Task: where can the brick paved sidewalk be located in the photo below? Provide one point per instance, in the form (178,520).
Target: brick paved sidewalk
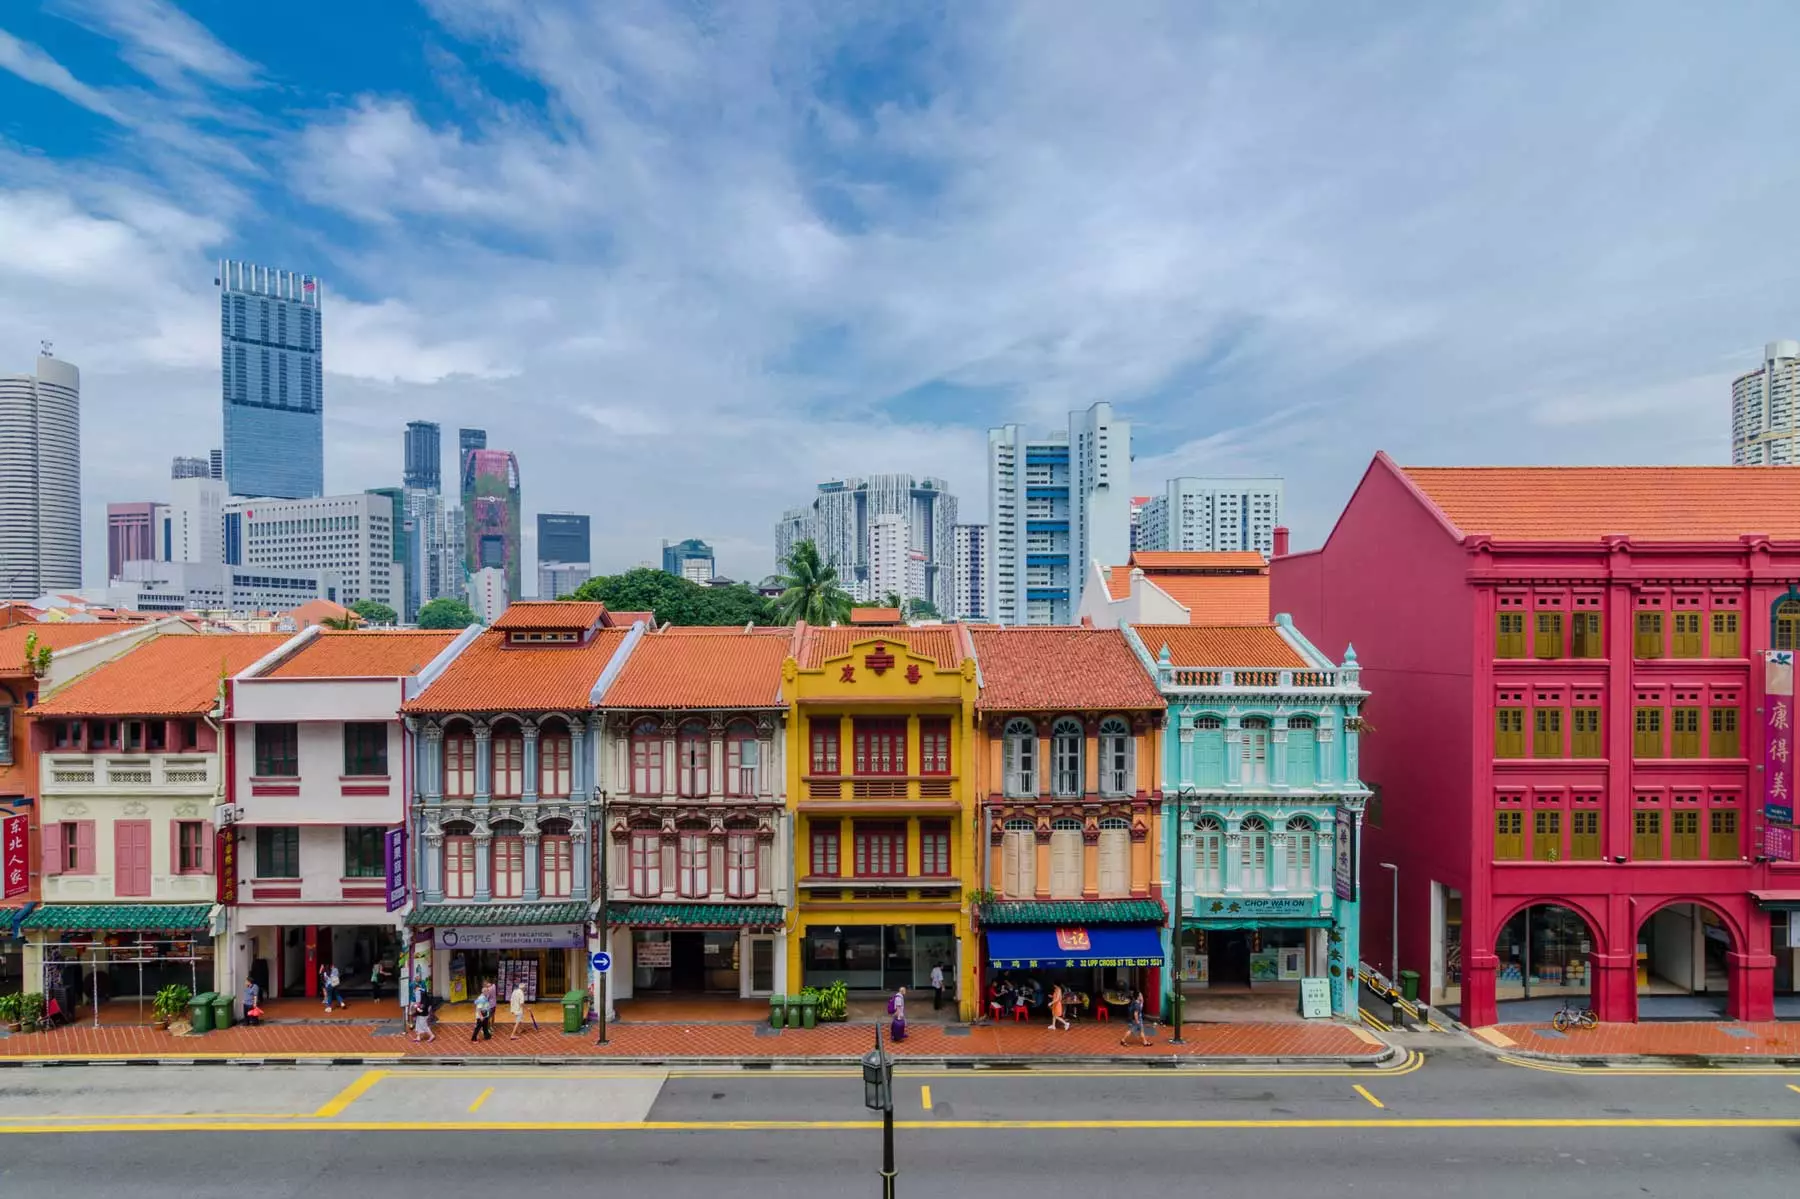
(710,1042)
(1657,1039)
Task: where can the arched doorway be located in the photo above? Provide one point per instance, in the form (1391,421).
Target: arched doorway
(1544,951)
(1682,967)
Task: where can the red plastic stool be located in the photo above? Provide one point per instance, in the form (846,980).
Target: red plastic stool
(994,1007)
(1101,1014)
(1018,1015)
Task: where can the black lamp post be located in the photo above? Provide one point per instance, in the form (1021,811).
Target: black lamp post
(878,1096)
(1176,999)
(599,826)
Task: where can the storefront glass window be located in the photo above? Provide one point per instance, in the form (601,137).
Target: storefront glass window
(1543,950)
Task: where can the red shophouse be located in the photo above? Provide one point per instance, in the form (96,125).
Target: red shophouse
(1567,674)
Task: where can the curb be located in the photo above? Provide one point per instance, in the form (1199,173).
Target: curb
(1690,1061)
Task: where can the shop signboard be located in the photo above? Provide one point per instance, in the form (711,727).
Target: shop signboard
(1315,998)
(226,857)
(1343,857)
(657,955)
(394,854)
(1778,843)
(1298,905)
(520,936)
(1778,736)
(15,871)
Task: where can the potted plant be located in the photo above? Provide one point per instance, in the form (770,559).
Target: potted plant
(31,1011)
(170,1003)
(12,1008)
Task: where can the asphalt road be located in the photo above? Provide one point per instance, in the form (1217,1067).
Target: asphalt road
(1460,1122)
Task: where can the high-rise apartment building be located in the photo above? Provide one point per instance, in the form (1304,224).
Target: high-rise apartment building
(487,594)
(1212,515)
(190,468)
(215,461)
(424,457)
(40,480)
(839,522)
(691,560)
(1137,514)
(1054,505)
(895,568)
(272,374)
(351,536)
(491,516)
(406,552)
(130,535)
(1765,409)
(564,553)
(971,602)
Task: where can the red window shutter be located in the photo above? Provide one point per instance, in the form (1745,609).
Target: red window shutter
(84,847)
(174,847)
(131,857)
(51,837)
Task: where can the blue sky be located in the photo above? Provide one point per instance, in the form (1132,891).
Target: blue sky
(687,258)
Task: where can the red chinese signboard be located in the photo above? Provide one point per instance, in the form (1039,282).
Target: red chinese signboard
(15,869)
(1072,939)
(227,858)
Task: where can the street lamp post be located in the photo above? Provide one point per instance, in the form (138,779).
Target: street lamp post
(1394,942)
(1176,999)
(878,1095)
(605,933)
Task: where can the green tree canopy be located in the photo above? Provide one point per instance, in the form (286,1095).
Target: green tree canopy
(375,612)
(676,600)
(810,589)
(921,609)
(445,613)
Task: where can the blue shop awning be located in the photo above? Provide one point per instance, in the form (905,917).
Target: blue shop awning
(1025,948)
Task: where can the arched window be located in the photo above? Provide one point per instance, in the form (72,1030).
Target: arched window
(1116,775)
(509,761)
(742,761)
(693,861)
(1065,859)
(1209,856)
(1300,833)
(740,864)
(459,762)
(1787,624)
(507,859)
(459,860)
(556,859)
(1065,758)
(693,756)
(646,758)
(1254,853)
(1302,745)
(1115,857)
(1254,750)
(646,863)
(1021,757)
(1018,855)
(555,761)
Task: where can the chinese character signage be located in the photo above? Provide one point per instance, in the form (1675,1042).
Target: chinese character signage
(1343,857)
(394,851)
(1778,843)
(226,856)
(1778,738)
(15,870)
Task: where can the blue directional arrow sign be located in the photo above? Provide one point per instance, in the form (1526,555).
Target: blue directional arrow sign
(602,961)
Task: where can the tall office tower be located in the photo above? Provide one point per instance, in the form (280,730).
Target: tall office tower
(1055,504)
(190,468)
(1765,409)
(564,553)
(454,584)
(424,459)
(839,523)
(466,440)
(273,377)
(351,536)
(130,535)
(215,463)
(191,526)
(1216,515)
(40,480)
(423,504)
(406,552)
(971,599)
(490,488)
(691,559)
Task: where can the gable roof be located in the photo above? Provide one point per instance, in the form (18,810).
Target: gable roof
(542,615)
(491,675)
(941,643)
(54,634)
(363,655)
(875,616)
(318,611)
(701,668)
(1152,560)
(1588,503)
(1038,669)
(1224,646)
(171,674)
(1238,597)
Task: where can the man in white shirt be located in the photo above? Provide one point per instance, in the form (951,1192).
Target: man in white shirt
(937,987)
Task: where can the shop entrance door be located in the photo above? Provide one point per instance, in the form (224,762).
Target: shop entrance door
(1229,964)
(687,962)
(762,965)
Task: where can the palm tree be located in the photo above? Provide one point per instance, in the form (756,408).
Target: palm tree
(810,589)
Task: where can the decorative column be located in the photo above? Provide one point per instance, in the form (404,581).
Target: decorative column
(593,773)
(434,866)
(532,863)
(1325,867)
(528,732)
(431,762)
(1185,753)
(484,862)
(581,833)
(1351,739)
(484,762)
(715,749)
(578,762)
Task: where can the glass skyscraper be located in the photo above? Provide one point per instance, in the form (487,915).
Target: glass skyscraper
(273,380)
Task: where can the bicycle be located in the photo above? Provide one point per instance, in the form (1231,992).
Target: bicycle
(1578,1017)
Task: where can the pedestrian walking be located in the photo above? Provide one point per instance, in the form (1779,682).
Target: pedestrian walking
(252,1002)
(377,975)
(1137,1021)
(484,1016)
(897,1009)
(516,1001)
(325,986)
(334,989)
(421,1022)
(1057,1000)
(937,987)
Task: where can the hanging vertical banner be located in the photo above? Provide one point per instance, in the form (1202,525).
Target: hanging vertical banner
(15,869)
(1344,847)
(1778,737)
(227,865)
(394,847)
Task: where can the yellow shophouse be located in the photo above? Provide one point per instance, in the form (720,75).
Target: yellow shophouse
(881,783)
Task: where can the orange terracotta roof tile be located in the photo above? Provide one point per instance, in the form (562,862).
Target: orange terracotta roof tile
(318,611)
(703,668)
(1154,560)
(1587,503)
(940,643)
(57,635)
(1033,669)
(709,630)
(494,676)
(1218,599)
(174,674)
(875,616)
(540,615)
(1220,645)
(363,655)
(624,620)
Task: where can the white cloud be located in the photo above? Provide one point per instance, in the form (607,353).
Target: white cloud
(164,43)
(31,64)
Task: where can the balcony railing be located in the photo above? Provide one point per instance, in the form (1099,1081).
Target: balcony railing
(106,772)
(1177,678)
(837,788)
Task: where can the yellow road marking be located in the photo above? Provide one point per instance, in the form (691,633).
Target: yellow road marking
(1367,1037)
(1372,1021)
(1645,1071)
(925,1096)
(11,1119)
(1363,1091)
(200,1057)
(1494,1036)
(1793,1088)
(479,1100)
(350,1094)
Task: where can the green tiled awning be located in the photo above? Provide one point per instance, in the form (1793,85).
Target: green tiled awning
(496,915)
(695,915)
(1069,913)
(121,917)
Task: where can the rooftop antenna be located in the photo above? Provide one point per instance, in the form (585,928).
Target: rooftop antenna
(44,348)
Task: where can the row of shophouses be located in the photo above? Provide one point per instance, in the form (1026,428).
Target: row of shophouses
(733,811)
